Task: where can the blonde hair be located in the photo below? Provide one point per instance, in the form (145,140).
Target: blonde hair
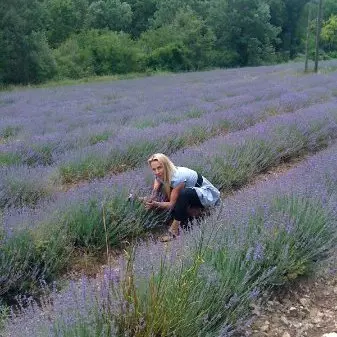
(169,169)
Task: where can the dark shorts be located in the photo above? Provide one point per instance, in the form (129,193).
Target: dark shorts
(187,198)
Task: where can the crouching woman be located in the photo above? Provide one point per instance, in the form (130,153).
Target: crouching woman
(187,191)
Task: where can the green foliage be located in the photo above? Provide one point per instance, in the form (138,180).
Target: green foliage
(197,38)
(4,315)
(43,155)
(184,44)
(226,269)
(84,224)
(27,257)
(92,224)
(65,18)
(10,131)
(329,32)
(72,60)
(167,10)
(329,8)
(170,57)
(90,167)
(15,257)
(112,52)
(7,159)
(94,139)
(238,164)
(142,12)
(293,27)
(194,113)
(25,54)
(18,191)
(97,52)
(112,14)
(306,236)
(144,123)
(244,28)
(41,65)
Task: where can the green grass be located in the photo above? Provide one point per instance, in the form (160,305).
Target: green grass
(99,138)
(10,131)
(85,80)
(8,159)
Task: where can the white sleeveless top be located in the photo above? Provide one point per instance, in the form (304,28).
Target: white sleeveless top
(208,194)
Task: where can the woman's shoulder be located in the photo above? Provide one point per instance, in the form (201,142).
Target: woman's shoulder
(183,174)
(183,170)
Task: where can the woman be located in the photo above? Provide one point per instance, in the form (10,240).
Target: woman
(187,192)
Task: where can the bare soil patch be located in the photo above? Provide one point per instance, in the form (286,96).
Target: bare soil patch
(305,308)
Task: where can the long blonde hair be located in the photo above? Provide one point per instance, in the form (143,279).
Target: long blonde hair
(169,169)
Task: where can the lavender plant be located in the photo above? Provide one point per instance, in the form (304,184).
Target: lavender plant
(231,168)
(22,186)
(137,105)
(214,276)
(75,219)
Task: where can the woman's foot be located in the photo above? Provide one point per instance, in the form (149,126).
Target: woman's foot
(173,232)
(168,237)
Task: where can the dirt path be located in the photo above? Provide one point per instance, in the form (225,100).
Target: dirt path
(307,308)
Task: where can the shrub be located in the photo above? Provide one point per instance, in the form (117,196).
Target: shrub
(172,57)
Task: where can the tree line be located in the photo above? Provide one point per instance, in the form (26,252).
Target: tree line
(58,39)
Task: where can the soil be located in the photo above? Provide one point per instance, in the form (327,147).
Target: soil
(306,308)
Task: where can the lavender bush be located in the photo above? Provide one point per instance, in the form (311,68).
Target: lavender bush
(22,186)
(203,283)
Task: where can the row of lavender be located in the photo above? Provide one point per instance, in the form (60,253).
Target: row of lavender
(24,185)
(60,110)
(214,106)
(39,242)
(54,113)
(204,283)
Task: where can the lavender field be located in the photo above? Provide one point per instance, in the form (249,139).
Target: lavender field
(69,157)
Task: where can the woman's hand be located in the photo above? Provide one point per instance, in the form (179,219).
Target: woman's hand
(143,199)
(150,204)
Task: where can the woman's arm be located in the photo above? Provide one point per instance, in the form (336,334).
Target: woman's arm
(156,187)
(167,204)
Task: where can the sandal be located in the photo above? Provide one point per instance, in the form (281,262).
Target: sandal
(168,237)
(173,232)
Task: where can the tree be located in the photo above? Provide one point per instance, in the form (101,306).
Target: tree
(142,14)
(184,44)
(318,32)
(65,18)
(168,9)
(307,41)
(330,8)
(244,28)
(25,54)
(111,14)
(329,32)
(293,25)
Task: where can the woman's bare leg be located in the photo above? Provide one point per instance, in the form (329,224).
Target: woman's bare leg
(174,228)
